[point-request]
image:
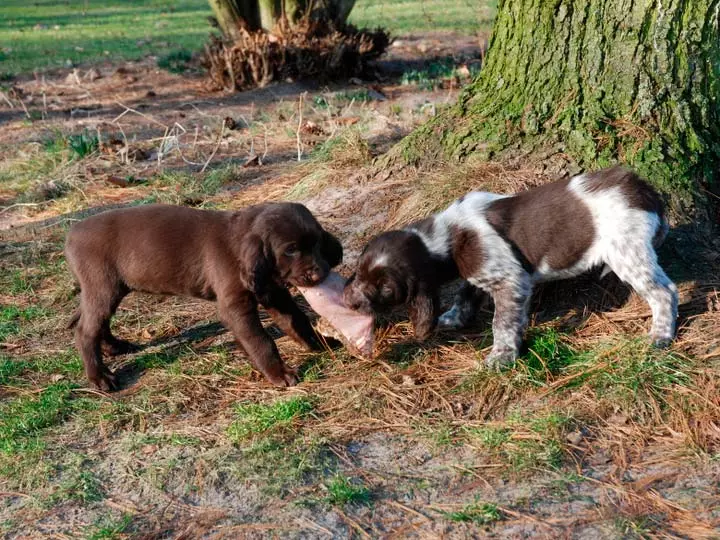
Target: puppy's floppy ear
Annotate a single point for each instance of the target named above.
(331, 249)
(257, 267)
(424, 310)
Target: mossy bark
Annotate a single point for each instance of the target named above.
(636, 81)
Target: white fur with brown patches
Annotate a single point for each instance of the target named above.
(623, 242)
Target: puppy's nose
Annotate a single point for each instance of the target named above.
(316, 275)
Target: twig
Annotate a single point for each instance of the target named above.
(131, 110)
(262, 159)
(300, 119)
(354, 524)
(7, 99)
(219, 140)
(309, 523)
(10, 207)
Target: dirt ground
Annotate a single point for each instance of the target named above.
(435, 446)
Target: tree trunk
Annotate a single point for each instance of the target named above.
(265, 14)
(636, 81)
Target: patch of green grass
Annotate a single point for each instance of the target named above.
(12, 318)
(436, 430)
(408, 16)
(436, 73)
(66, 363)
(24, 419)
(638, 372)
(490, 437)
(48, 34)
(526, 455)
(107, 528)
(313, 367)
(83, 144)
(192, 186)
(526, 441)
(477, 513)
(174, 439)
(347, 147)
(636, 527)
(342, 490)
(82, 486)
(158, 359)
(261, 418)
(362, 95)
(278, 463)
(175, 61)
(56, 144)
(548, 355)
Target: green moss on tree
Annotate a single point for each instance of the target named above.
(636, 81)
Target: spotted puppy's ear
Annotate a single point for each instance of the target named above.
(331, 249)
(257, 267)
(424, 310)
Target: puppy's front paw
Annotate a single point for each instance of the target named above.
(500, 359)
(450, 320)
(661, 342)
(288, 377)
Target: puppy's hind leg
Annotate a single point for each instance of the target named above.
(637, 266)
(462, 313)
(96, 308)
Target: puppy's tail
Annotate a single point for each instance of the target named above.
(74, 320)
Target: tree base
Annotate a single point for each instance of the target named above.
(304, 51)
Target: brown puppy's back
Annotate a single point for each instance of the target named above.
(141, 247)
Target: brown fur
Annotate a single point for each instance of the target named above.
(466, 251)
(636, 191)
(533, 220)
(239, 259)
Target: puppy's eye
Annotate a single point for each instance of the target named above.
(292, 251)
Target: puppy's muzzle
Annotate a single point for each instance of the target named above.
(355, 299)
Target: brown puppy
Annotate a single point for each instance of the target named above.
(239, 259)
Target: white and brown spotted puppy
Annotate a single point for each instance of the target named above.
(505, 244)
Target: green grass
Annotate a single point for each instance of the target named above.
(408, 16)
(342, 490)
(175, 61)
(82, 486)
(477, 513)
(66, 363)
(489, 437)
(23, 420)
(278, 463)
(46, 34)
(433, 76)
(12, 319)
(49, 34)
(262, 418)
(107, 528)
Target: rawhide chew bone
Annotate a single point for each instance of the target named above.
(355, 330)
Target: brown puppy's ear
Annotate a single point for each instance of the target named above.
(331, 249)
(257, 267)
(424, 310)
